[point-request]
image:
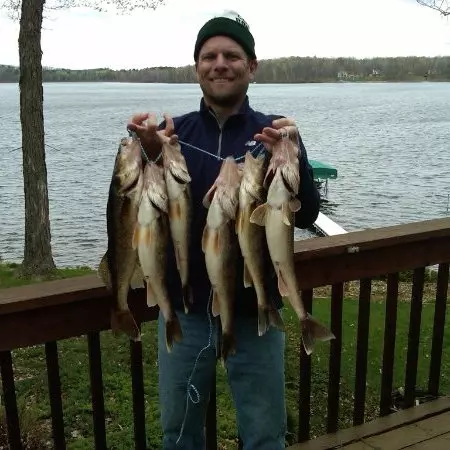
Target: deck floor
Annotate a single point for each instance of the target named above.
(423, 427)
(428, 434)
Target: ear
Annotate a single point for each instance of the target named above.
(253, 65)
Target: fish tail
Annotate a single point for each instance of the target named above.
(228, 345)
(123, 321)
(269, 317)
(275, 319)
(313, 330)
(187, 298)
(263, 320)
(173, 332)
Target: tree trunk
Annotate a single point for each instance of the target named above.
(38, 258)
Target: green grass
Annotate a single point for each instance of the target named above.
(9, 275)
(31, 382)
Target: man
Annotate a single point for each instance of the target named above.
(225, 63)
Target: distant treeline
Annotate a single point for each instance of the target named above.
(280, 70)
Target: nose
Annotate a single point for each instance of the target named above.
(220, 63)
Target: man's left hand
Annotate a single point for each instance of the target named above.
(280, 127)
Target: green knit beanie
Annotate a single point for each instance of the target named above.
(230, 24)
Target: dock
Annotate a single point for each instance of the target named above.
(327, 227)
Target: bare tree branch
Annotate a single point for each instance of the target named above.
(13, 7)
(439, 5)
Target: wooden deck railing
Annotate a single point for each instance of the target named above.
(42, 314)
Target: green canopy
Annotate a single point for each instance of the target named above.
(322, 171)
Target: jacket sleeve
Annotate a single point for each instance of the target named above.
(308, 193)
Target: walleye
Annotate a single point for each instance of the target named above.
(118, 268)
(180, 210)
(150, 238)
(251, 240)
(219, 243)
(277, 215)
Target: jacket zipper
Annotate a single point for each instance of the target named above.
(219, 149)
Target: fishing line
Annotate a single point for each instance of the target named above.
(217, 156)
(191, 387)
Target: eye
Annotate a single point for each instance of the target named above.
(208, 57)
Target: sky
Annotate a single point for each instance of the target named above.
(80, 38)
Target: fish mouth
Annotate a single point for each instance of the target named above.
(270, 175)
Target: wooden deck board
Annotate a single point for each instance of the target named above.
(423, 427)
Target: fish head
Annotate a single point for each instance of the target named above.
(278, 192)
(253, 175)
(226, 188)
(285, 156)
(155, 186)
(174, 161)
(128, 166)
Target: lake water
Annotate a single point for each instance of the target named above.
(390, 143)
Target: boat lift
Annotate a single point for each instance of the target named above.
(323, 172)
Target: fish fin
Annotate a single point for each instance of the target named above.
(103, 271)
(137, 279)
(173, 332)
(159, 200)
(313, 330)
(123, 321)
(282, 287)
(215, 305)
(180, 172)
(275, 319)
(285, 214)
(263, 320)
(147, 237)
(207, 199)
(248, 281)
(174, 210)
(151, 297)
(295, 204)
(216, 243)
(136, 236)
(228, 345)
(187, 298)
(238, 224)
(205, 238)
(259, 215)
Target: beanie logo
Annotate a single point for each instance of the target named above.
(240, 20)
(233, 15)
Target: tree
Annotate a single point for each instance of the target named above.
(38, 259)
(439, 5)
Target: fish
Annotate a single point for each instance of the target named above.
(251, 239)
(150, 239)
(285, 155)
(277, 216)
(220, 246)
(119, 268)
(180, 210)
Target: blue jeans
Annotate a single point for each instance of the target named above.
(255, 375)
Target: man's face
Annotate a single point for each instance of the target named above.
(224, 71)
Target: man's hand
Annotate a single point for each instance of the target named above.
(280, 128)
(145, 125)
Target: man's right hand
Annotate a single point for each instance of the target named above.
(145, 125)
